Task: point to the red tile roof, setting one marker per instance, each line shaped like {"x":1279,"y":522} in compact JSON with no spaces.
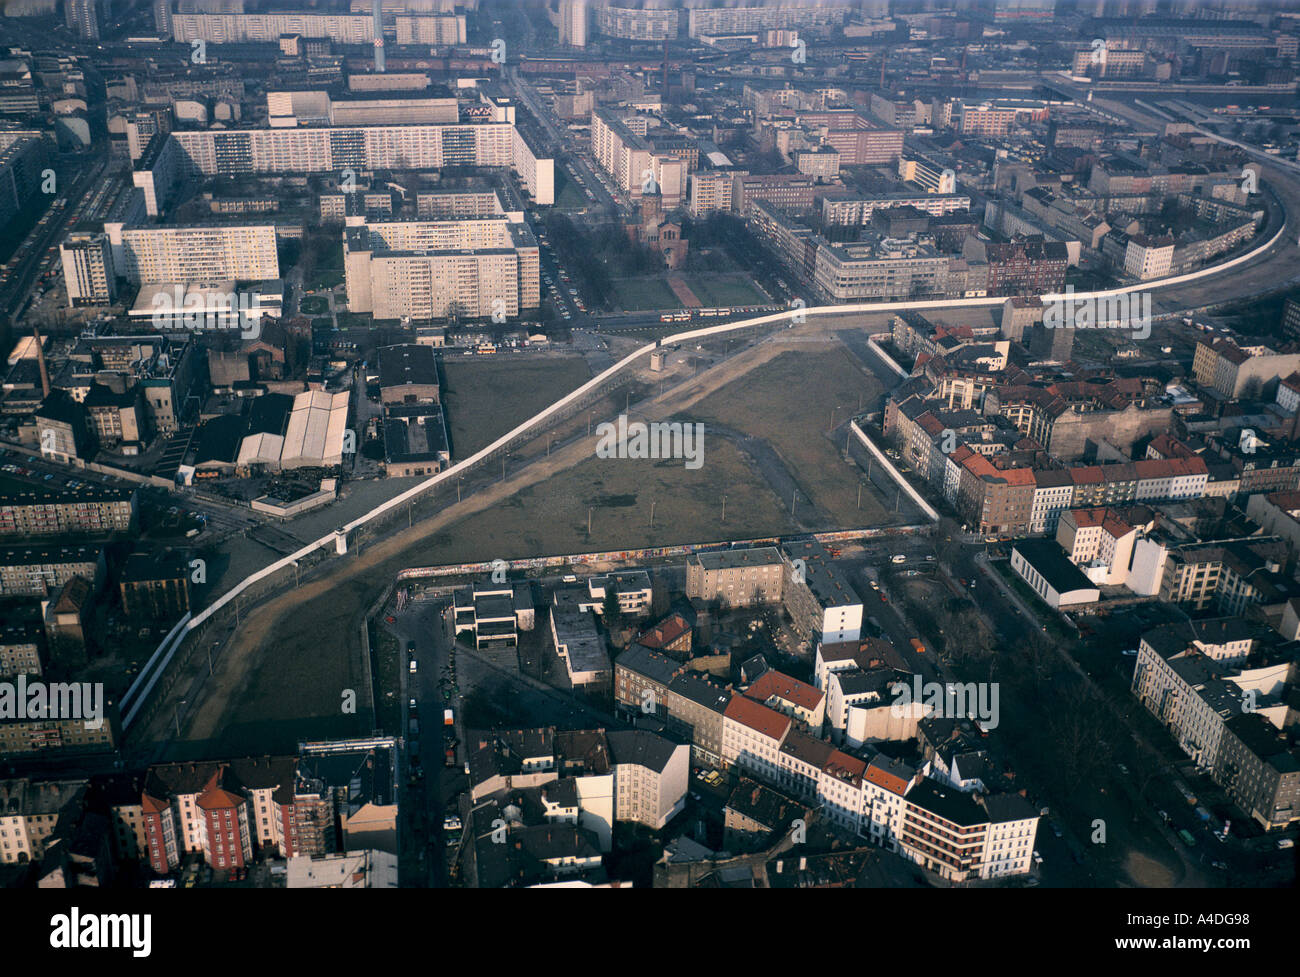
{"x":883,"y":778}
{"x":774,"y":683}
{"x":664,"y":633}
{"x":757,"y":717}
{"x":845,"y":767}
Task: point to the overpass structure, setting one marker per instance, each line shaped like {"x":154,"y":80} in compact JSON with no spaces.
{"x":138,"y":694}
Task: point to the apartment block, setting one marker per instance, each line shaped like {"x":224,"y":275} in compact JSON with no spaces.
{"x":22,"y":649}
{"x":752,"y":735}
{"x":691,"y":705}
{"x":88,"y":270}
{"x":433,"y":29}
{"x":787,"y":193}
{"x":30,"y":510}
{"x":651,"y":775}
{"x":736,"y":578}
{"x":820,"y":599}
{"x":1236,"y":372}
{"x":28,"y":570}
{"x":960,"y":836}
{"x":858,"y":140}
{"x":858,"y":211}
{"x":206,"y":254}
{"x":24,"y":158}
{"x":780,"y":16}
{"x":467,"y":267}
{"x":46,"y":737}
{"x":336,"y":148}
{"x":30,"y":812}
{"x":635,"y":23}
{"x":1220,"y":692}
{"x":253,"y":28}
{"x":633,"y":161}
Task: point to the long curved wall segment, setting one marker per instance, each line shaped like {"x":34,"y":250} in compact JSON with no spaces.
{"x":164,"y":654}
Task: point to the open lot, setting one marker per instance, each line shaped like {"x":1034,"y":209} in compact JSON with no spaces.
{"x":720,"y":291}
{"x":635,"y":294}
{"x":551,"y":516}
{"x":485,"y":397}
{"x":790,"y":402}
{"x":713,"y":291}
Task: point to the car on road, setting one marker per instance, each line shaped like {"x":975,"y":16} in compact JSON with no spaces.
{"x":1122,"y":769}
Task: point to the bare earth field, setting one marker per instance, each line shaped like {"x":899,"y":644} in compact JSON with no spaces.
{"x":792,"y":402}
{"x":486,"y":396}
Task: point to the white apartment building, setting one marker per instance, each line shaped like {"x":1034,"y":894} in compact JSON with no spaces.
{"x":710,"y":192}
{"x":573,"y":23}
{"x":471,"y":267}
{"x":433,"y":29}
{"x":88,"y":269}
{"x":1194,"y":687}
{"x":752,"y":735}
{"x":651,"y":777}
{"x":1099,"y":542}
{"x":633,"y":590}
{"x":1146,"y":258}
{"x":625,"y":155}
{"x":1053,"y":492}
{"x":321,"y":149}
{"x":884,"y":786}
{"x":962,"y":836}
{"x":240,"y":28}
{"x":751,"y":18}
{"x":200,"y":254}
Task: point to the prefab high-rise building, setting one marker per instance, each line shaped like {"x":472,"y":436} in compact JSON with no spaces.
{"x":87,"y":17}
{"x":573,"y":23}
